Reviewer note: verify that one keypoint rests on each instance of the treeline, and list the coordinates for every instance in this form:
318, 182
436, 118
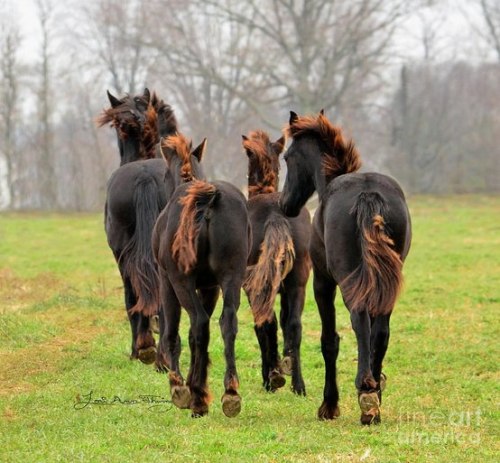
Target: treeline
228, 67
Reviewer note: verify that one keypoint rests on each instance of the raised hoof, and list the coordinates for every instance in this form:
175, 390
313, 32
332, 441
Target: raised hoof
276, 380
181, 396
147, 355
154, 324
383, 381
370, 408
231, 405
287, 365
328, 412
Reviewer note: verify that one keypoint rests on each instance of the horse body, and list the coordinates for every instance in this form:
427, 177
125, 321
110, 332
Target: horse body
136, 193
278, 264
201, 242
361, 236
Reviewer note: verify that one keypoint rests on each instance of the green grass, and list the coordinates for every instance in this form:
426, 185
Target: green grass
64, 333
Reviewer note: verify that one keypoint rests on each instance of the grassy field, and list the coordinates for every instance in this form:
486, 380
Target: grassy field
64, 335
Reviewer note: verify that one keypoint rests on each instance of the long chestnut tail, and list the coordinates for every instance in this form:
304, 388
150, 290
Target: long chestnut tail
137, 257
200, 196
276, 259
375, 284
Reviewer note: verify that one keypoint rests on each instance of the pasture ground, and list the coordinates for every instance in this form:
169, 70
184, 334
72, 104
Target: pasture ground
64, 335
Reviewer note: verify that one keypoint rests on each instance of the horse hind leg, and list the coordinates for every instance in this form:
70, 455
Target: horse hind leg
379, 343
292, 330
231, 400
169, 348
272, 375
366, 385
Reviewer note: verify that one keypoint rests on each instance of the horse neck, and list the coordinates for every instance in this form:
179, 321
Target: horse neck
320, 182
130, 150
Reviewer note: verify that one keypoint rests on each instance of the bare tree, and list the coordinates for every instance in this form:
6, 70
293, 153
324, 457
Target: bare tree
45, 140
490, 10
111, 31
9, 87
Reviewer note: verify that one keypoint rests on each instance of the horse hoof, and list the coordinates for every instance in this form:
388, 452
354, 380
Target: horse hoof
383, 381
154, 324
328, 412
147, 355
231, 405
276, 380
161, 368
287, 365
181, 396
370, 408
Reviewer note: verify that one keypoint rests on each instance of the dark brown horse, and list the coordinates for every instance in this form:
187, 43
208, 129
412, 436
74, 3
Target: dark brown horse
201, 242
361, 236
278, 263
136, 193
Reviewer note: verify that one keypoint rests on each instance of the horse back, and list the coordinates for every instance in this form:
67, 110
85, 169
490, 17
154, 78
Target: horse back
222, 239
336, 222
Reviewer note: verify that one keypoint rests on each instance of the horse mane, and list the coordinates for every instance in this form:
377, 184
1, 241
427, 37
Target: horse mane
150, 135
342, 157
180, 145
167, 123
117, 115
257, 143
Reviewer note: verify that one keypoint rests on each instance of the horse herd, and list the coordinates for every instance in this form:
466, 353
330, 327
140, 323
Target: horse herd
180, 240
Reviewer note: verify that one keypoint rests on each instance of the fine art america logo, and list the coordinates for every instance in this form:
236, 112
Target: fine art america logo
439, 427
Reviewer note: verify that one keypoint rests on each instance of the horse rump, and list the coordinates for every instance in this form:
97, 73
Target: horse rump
375, 284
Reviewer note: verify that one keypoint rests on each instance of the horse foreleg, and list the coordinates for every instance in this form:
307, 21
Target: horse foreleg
324, 293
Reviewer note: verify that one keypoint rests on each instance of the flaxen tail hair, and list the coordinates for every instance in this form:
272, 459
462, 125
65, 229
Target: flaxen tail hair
200, 196
375, 284
277, 255
136, 258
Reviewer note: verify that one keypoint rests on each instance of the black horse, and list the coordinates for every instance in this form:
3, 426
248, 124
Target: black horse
278, 263
136, 193
201, 243
361, 236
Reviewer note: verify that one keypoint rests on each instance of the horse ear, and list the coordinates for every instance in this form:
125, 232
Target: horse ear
113, 100
199, 150
293, 117
279, 145
146, 95
244, 138
321, 112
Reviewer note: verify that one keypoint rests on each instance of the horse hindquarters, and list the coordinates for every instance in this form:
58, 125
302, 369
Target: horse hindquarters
371, 289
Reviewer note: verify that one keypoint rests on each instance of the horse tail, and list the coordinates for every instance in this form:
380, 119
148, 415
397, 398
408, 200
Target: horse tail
137, 257
276, 258
375, 284
200, 196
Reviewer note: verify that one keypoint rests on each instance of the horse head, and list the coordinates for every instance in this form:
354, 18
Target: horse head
182, 160
127, 115
263, 162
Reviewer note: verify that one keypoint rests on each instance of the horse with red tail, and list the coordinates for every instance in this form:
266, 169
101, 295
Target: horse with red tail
278, 264
201, 243
361, 237
136, 193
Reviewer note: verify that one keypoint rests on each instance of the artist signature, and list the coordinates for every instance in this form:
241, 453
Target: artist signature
153, 401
